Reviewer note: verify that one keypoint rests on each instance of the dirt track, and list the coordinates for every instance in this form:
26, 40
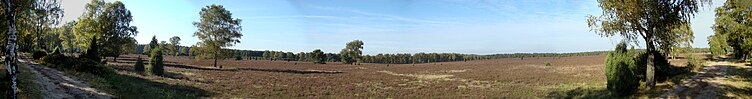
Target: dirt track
704, 85
59, 85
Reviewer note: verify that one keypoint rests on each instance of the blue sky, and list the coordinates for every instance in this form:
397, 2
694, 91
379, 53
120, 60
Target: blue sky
391, 26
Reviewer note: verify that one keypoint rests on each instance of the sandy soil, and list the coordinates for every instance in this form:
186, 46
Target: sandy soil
59, 85
704, 85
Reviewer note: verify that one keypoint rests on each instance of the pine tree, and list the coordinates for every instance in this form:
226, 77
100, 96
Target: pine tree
93, 51
139, 67
156, 63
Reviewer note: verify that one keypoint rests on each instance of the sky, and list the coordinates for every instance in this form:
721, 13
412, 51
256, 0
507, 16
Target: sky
391, 26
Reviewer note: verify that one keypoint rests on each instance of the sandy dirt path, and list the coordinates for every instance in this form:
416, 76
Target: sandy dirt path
59, 85
704, 85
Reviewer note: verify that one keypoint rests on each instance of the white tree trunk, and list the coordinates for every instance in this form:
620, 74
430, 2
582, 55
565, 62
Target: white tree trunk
10, 50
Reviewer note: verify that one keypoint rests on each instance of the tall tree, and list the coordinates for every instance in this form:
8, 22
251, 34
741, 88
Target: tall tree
652, 20
352, 52
318, 56
46, 14
217, 29
67, 37
734, 24
23, 21
679, 43
10, 50
152, 44
718, 45
93, 51
175, 45
110, 23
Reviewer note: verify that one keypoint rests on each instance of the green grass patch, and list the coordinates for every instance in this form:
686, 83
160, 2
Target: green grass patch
133, 87
28, 87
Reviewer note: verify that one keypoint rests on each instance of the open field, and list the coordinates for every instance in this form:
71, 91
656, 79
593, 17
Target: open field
508, 77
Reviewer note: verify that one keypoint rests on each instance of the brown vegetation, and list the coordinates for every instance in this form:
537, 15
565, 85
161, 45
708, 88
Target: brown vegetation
506, 77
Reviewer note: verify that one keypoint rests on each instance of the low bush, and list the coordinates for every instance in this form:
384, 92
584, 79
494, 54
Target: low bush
621, 80
38, 54
695, 63
139, 66
83, 65
548, 64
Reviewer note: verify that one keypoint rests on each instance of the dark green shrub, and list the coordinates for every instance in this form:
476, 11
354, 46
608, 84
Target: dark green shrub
663, 70
93, 52
54, 59
83, 65
92, 66
318, 56
548, 64
620, 78
139, 67
238, 58
156, 62
38, 54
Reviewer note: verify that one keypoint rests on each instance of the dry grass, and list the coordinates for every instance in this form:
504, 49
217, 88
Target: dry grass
496, 78
739, 82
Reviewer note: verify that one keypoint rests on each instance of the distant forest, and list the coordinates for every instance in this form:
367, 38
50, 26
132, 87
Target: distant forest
378, 58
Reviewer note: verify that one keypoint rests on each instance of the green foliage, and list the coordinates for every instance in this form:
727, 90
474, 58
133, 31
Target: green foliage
549, 64
83, 65
139, 66
352, 52
733, 26
68, 42
174, 47
34, 22
695, 63
152, 44
446, 57
621, 80
660, 23
718, 45
93, 52
56, 51
238, 57
110, 22
217, 29
156, 62
318, 57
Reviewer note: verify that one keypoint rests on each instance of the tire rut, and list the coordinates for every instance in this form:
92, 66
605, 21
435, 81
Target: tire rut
58, 85
703, 85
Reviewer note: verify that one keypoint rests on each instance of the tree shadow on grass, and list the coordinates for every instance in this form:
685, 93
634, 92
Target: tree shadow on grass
255, 69
582, 92
126, 86
740, 90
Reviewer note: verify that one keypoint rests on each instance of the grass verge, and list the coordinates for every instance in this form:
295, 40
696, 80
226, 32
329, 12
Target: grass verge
28, 87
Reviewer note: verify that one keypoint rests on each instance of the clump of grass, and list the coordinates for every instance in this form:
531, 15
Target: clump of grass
548, 64
695, 63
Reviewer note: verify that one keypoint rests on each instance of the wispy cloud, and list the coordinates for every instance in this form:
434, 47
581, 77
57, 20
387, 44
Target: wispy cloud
382, 16
294, 16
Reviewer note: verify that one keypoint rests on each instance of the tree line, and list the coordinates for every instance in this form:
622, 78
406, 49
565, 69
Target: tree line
732, 28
